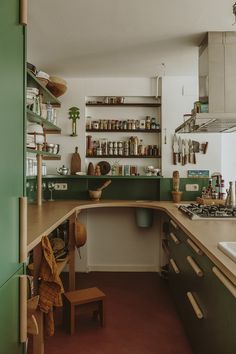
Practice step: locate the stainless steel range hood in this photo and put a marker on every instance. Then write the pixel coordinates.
(217, 86)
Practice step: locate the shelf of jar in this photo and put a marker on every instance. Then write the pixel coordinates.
(124, 104)
(45, 155)
(32, 81)
(123, 131)
(48, 127)
(125, 157)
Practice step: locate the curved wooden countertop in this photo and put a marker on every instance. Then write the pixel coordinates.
(205, 233)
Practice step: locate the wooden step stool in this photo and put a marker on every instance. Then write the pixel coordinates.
(80, 297)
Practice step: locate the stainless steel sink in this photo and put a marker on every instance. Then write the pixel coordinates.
(229, 248)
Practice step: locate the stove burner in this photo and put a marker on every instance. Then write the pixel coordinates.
(198, 211)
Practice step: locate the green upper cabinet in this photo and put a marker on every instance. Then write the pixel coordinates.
(12, 88)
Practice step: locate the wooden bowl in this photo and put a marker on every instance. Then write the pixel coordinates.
(57, 86)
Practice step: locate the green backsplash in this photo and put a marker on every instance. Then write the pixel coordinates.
(147, 188)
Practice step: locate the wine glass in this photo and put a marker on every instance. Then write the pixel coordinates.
(44, 187)
(51, 187)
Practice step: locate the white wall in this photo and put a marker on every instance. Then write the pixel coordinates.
(228, 157)
(178, 95)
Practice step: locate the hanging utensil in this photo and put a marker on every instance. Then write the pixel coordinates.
(183, 153)
(180, 155)
(175, 149)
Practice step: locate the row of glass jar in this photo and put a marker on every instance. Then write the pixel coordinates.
(130, 124)
(133, 146)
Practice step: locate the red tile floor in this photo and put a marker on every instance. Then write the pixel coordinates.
(140, 319)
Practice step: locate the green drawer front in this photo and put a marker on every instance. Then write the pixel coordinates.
(9, 316)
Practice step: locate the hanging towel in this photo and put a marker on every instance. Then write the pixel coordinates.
(50, 288)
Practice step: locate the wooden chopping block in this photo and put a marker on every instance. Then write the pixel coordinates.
(208, 201)
(75, 162)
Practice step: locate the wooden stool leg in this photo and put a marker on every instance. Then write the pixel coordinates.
(72, 319)
(101, 312)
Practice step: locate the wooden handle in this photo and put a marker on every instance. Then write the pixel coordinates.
(104, 185)
(174, 266)
(174, 238)
(225, 281)
(173, 224)
(175, 158)
(195, 306)
(23, 229)
(39, 176)
(195, 267)
(194, 247)
(23, 12)
(23, 308)
(205, 148)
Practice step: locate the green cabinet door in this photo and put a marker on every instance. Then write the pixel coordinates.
(9, 316)
(11, 134)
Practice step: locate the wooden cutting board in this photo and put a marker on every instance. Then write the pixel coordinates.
(75, 162)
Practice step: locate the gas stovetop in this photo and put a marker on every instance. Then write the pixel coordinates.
(203, 212)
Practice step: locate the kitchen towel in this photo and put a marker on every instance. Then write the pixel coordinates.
(50, 288)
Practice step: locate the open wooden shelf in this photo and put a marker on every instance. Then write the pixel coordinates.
(124, 157)
(32, 81)
(124, 104)
(124, 130)
(48, 127)
(46, 155)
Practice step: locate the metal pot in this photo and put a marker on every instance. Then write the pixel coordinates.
(63, 170)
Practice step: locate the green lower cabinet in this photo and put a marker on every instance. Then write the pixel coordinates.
(9, 316)
(214, 333)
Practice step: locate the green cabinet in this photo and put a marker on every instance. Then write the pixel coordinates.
(12, 134)
(12, 88)
(9, 316)
(209, 319)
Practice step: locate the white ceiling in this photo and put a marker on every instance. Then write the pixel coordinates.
(90, 38)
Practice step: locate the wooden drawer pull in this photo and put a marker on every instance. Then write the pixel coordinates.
(23, 308)
(173, 224)
(195, 267)
(194, 247)
(195, 306)
(174, 266)
(23, 12)
(227, 283)
(174, 238)
(23, 229)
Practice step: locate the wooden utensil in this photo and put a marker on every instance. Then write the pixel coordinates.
(75, 162)
(104, 185)
(91, 170)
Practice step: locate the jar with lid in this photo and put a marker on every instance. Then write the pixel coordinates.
(109, 127)
(125, 125)
(88, 122)
(49, 112)
(95, 124)
(133, 125)
(153, 123)
(148, 122)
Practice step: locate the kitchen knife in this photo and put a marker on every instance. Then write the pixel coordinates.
(186, 157)
(180, 155)
(190, 151)
(183, 153)
(175, 149)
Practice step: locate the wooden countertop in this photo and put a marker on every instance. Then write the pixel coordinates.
(205, 233)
